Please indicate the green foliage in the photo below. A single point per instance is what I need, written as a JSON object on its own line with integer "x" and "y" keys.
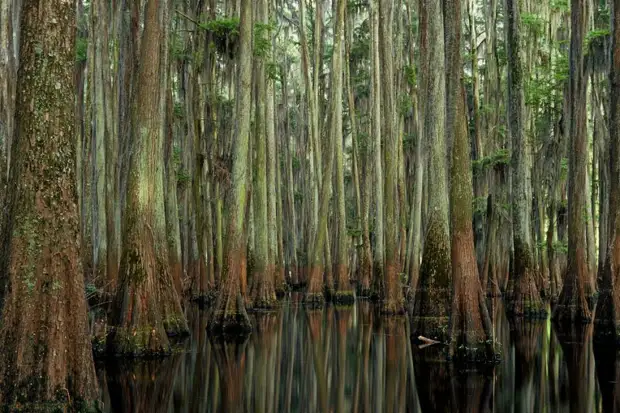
{"x": 272, "y": 69}
{"x": 561, "y": 247}
{"x": 224, "y": 32}
{"x": 178, "y": 110}
{"x": 480, "y": 205}
{"x": 497, "y": 159}
{"x": 533, "y": 22}
{"x": 262, "y": 39}
{"x": 409, "y": 141}
{"x": 595, "y": 34}
{"x": 560, "y": 5}
{"x": 411, "y": 75}
{"x": 81, "y": 49}
{"x": 404, "y": 104}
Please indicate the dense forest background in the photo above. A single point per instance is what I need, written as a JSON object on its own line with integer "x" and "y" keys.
{"x": 425, "y": 154}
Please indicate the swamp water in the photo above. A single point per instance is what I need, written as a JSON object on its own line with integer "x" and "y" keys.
{"x": 351, "y": 360}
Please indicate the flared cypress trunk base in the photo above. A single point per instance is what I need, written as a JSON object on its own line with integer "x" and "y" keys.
{"x": 315, "y": 295}
{"x": 230, "y": 317}
{"x": 146, "y": 341}
{"x": 431, "y": 309}
{"x": 175, "y": 325}
{"x": 262, "y": 290}
{"x": 433, "y": 327}
{"x": 281, "y": 286}
{"x": 206, "y": 298}
{"x": 229, "y": 324}
{"x": 607, "y": 321}
{"x": 572, "y": 306}
{"x": 524, "y": 299}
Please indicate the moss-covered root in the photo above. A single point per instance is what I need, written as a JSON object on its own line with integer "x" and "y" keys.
{"x": 147, "y": 341}
{"x": 343, "y": 298}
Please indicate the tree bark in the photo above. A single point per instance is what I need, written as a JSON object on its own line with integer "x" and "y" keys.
{"x": 525, "y": 300}
{"x": 432, "y": 302}
{"x": 42, "y": 366}
{"x": 573, "y": 302}
{"x": 608, "y": 308}
{"x": 146, "y": 306}
{"x": 230, "y": 315}
{"x": 393, "y": 301}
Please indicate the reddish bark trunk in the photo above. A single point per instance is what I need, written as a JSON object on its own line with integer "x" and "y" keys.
{"x": 46, "y": 361}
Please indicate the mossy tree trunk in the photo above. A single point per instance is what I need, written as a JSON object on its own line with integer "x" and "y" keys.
{"x": 525, "y": 299}
{"x": 393, "y": 300}
{"x": 432, "y": 297}
{"x": 230, "y": 314}
{"x": 343, "y": 289}
{"x": 147, "y": 305}
{"x": 46, "y": 352}
{"x": 377, "y": 153}
{"x": 100, "y": 130}
{"x": 471, "y": 329}
{"x": 573, "y": 302}
{"x": 608, "y": 308}
{"x": 262, "y": 287}
{"x": 314, "y": 292}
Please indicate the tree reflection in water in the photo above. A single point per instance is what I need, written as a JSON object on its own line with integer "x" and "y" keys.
{"x": 351, "y": 359}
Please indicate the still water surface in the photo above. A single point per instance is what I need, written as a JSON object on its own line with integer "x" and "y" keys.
{"x": 350, "y": 360}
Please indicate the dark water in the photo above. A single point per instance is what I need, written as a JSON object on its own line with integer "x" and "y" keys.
{"x": 350, "y": 360}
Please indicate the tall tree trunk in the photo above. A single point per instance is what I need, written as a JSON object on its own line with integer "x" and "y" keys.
{"x": 573, "y": 302}
{"x": 471, "y": 329}
{"x": 146, "y": 305}
{"x": 525, "y": 300}
{"x": 608, "y": 311}
{"x": 432, "y": 298}
{"x": 393, "y": 302}
{"x": 262, "y": 288}
{"x": 343, "y": 291}
{"x": 230, "y": 313}
{"x": 46, "y": 351}
{"x": 379, "y": 252}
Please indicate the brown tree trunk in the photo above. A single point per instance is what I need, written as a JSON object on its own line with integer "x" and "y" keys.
{"x": 230, "y": 313}
{"x": 471, "y": 326}
{"x": 432, "y": 297}
{"x": 608, "y": 308}
{"x": 146, "y": 305}
{"x": 525, "y": 299}
{"x": 46, "y": 352}
{"x": 393, "y": 300}
{"x": 573, "y": 302}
